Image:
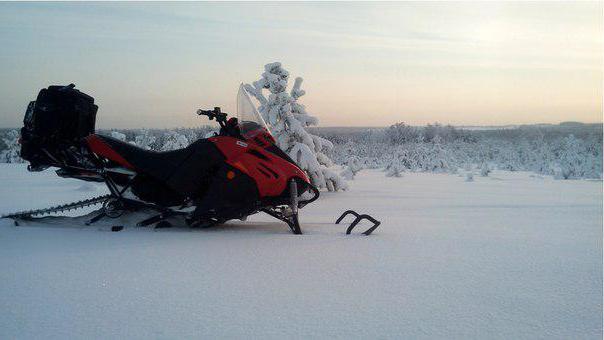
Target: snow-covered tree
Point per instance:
(118, 135)
(484, 169)
(401, 133)
(558, 173)
(173, 141)
(571, 159)
(394, 170)
(210, 134)
(144, 139)
(13, 148)
(469, 176)
(353, 165)
(431, 156)
(288, 119)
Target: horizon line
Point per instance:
(358, 127)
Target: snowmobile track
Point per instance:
(59, 208)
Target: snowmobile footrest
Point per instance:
(158, 218)
(359, 218)
(96, 218)
(150, 220)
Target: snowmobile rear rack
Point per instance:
(358, 219)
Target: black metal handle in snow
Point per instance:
(358, 218)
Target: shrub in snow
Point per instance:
(352, 167)
(436, 156)
(558, 173)
(469, 176)
(144, 139)
(570, 163)
(173, 141)
(484, 169)
(347, 174)
(288, 119)
(210, 134)
(401, 133)
(11, 153)
(118, 135)
(394, 170)
(431, 157)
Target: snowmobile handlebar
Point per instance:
(214, 114)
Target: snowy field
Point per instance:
(508, 256)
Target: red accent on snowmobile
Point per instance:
(99, 147)
(261, 137)
(270, 172)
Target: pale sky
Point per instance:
(363, 64)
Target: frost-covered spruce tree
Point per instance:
(173, 141)
(118, 135)
(469, 176)
(144, 139)
(353, 165)
(394, 169)
(11, 154)
(288, 119)
(570, 160)
(484, 169)
(437, 156)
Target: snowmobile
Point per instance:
(237, 172)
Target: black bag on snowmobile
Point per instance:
(59, 117)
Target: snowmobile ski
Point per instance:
(358, 218)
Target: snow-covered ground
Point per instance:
(506, 256)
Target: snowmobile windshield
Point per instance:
(250, 121)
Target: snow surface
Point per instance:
(506, 256)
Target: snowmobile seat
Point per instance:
(159, 165)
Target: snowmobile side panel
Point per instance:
(270, 172)
(101, 148)
(153, 190)
(234, 195)
(192, 177)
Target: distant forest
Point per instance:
(566, 151)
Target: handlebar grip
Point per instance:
(204, 112)
(216, 113)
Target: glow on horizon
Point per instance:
(364, 64)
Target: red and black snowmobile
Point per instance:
(238, 172)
